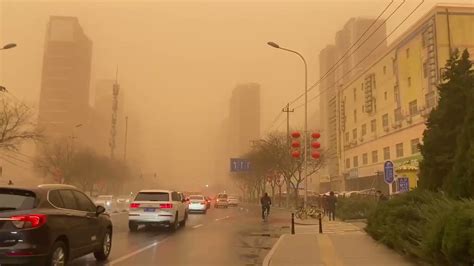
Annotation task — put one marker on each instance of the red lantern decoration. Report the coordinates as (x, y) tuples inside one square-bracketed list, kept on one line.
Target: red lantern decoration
[(316, 135), (315, 155), (296, 154), (296, 134), (295, 144), (316, 145)]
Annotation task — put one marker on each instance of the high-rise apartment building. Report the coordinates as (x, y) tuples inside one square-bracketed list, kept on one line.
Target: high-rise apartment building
[(338, 63), (64, 97), (382, 110), (244, 118)]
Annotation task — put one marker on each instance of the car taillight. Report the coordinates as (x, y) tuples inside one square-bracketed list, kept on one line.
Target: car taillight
[(166, 206), (134, 205), (28, 221)]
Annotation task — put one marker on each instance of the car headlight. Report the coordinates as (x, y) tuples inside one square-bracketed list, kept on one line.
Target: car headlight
[(108, 203)]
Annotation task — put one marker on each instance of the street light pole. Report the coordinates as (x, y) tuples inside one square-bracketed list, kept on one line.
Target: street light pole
[(305, 137)]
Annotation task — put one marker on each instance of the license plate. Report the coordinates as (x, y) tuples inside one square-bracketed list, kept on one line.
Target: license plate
[(149, 209)]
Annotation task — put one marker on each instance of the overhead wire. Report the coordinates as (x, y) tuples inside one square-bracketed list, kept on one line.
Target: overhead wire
[(367, 56), (346, 54)]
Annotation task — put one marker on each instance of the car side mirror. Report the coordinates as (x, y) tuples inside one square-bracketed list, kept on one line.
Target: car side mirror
[(99, 210)]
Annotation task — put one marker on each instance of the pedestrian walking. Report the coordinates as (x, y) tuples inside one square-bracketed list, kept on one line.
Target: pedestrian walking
[(331, 203)]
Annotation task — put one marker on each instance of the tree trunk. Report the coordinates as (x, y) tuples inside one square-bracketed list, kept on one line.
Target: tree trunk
[(279, 196)]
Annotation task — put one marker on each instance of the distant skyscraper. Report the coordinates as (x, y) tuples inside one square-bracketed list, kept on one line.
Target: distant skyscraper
[(244, 117), (64, 97)]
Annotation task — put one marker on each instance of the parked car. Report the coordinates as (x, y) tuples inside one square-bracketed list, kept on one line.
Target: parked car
[(157, 207), (51, 223), (197, 204), (221, 201), (233, 201), (107, 201), (122, 203)]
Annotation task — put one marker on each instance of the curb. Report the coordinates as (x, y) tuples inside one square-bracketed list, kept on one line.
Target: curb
[(268, 257)]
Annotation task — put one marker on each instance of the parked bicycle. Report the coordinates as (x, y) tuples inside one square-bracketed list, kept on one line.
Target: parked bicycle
[(309, 212)]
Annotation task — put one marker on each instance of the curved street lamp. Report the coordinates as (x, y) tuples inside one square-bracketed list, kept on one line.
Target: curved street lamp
[(305, 135), (8, 46)]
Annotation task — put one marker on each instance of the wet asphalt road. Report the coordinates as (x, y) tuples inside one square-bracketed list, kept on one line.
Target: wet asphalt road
[(234, 236)]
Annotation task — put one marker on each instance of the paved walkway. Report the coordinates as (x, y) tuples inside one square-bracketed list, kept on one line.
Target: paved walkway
[(340, 244)]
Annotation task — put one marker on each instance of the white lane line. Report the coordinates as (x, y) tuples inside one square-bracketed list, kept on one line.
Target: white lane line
[(136, 252), (219, 219), (197, 226)]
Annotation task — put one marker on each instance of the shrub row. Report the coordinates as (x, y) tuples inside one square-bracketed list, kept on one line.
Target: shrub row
[(355, 207), (426, 225)]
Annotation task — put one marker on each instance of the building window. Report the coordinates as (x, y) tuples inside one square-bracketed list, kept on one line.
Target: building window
[(355, 94), (425, 69), (384, 70), (385, 120), (398, 114), (373, 125), (347, 137), (348, 163), (354, 133), (386, 153), (413, 107), (355, 115), (355, 161), (364, 130), (365, 159), (408, 52), (409, 81), (414, 145), (399, 148), (396, 95), (375, 156), (385, 94), (430, 99)]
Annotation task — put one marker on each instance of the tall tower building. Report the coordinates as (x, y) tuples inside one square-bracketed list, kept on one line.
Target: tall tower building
[(244, 117), (64, 97)]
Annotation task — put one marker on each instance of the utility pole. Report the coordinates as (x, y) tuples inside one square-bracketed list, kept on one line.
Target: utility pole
[(125, 140), (288, 111)]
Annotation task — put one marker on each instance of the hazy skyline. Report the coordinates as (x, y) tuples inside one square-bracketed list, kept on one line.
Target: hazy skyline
[(179, 61)]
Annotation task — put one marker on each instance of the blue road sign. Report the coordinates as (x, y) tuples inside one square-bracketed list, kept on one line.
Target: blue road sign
[(389, 175), (403, 184), (239, 165)]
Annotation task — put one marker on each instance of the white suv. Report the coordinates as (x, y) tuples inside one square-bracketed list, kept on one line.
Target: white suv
[(157, 207)]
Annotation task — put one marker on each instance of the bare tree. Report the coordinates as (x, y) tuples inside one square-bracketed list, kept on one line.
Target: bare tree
[(16, 125), (56, 160)]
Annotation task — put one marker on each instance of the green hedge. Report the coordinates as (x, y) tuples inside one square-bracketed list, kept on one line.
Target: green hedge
[(355, 207), (426, 225)]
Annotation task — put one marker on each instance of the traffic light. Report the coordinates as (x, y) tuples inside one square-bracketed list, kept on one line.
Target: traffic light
[(296, 145), (315, 145)]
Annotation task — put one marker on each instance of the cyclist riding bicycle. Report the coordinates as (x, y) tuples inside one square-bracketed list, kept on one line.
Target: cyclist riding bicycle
[(266, 202)]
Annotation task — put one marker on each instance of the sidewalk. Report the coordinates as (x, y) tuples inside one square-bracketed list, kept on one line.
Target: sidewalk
[(340, 244)]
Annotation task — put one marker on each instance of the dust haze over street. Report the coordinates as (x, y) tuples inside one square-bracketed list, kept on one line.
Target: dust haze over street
[(160, 132)]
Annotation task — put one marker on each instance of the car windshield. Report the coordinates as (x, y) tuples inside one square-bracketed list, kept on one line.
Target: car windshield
[(13, 199), (153, 196), (222, 196)]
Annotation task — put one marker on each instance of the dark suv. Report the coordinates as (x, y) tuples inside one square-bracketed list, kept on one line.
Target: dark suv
[(51, 225)]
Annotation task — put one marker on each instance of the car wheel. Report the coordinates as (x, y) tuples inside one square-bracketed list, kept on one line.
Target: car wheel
[(133, 226), (58, 255), (175, 225), (183, 222), (104, 251)]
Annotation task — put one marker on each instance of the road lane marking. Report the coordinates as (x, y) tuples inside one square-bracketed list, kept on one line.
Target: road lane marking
[(219, 219), (197, 226), (129, 255)]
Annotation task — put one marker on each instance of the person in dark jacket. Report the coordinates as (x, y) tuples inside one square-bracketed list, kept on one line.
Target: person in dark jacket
[(266, 202), (331, 204)]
